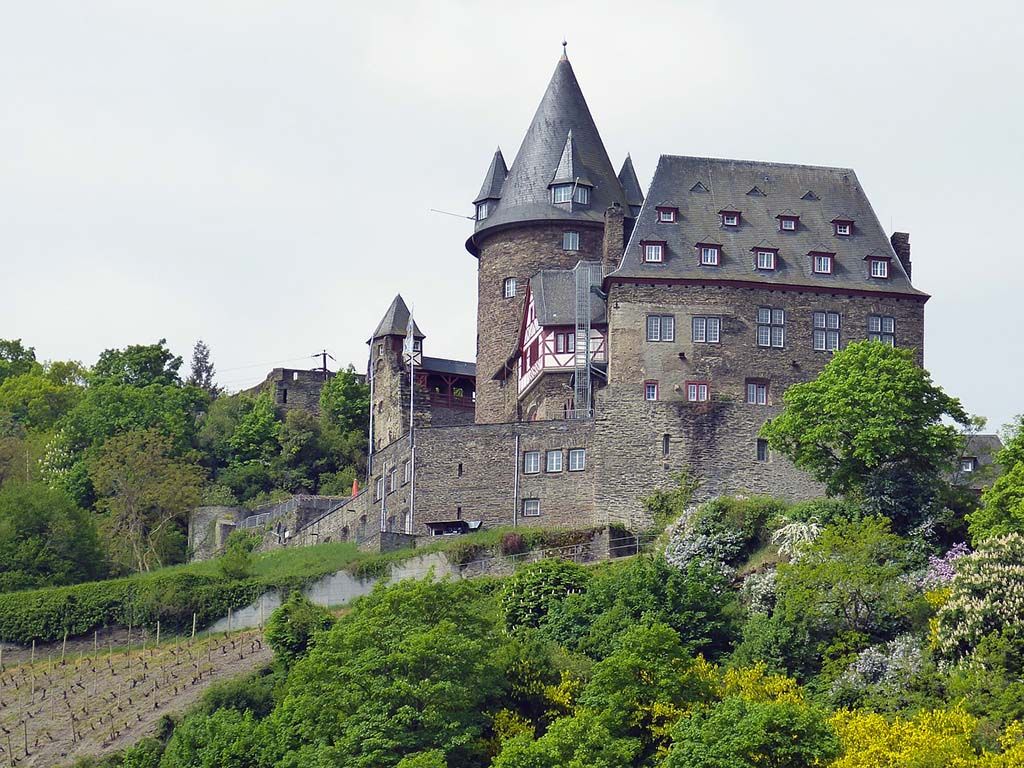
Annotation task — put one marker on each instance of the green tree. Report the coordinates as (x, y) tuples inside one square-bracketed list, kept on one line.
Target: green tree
[(736, 733), (45, 540), (201, 372), (255, 438), (407, 671), (16, 359), (579, 741), (138, 365), (847, 586), (693, 602), (1002, 507), (237, 561), (871, 423), (225, 739), (345, 401), (292, 627), (146, 493), (528, 594), (34, 400)]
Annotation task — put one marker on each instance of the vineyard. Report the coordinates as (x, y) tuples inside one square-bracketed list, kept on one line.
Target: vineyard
[(54, 711)]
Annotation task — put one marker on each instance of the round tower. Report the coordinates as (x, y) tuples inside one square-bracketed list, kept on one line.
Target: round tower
[(549, 211)]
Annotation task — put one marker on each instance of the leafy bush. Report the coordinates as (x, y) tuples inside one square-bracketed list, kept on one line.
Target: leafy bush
[(826, 511), (512, 543), (736, 733), (236, 562), (527, 596), (292, 627)]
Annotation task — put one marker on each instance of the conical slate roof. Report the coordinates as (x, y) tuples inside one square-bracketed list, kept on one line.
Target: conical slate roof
[(631, 186), (494, 180), (525, 195), (396, 321)]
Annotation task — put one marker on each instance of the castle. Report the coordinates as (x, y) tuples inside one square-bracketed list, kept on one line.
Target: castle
[(624, 338)]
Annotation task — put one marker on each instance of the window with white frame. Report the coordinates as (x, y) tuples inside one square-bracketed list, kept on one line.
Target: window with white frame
[(667, 215), (706, 330), (788, 224), (531, 507), (730, 218), (709, 255), (883, 329), (565, 342), (771, 327), (650, 390), (392, 479), (968, 464), (577, 459), (879, 268), (570, 241), (482, 210), (822, 263), (553, 461), (654, 253), (582, 195), (406, 472), (531, 462), (766, 259), (697, 391), (379, 488), (561, 193), (661, 328), (757, 392), (826, 331), (508, 288), (843, 228)]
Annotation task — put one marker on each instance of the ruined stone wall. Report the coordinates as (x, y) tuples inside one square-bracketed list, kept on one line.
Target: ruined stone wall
[(293, 389), (520, 253)]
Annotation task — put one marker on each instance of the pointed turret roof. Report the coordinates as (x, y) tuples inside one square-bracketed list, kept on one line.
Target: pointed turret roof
[(396, 321), (525, 195), (631, 186), (494, 180)]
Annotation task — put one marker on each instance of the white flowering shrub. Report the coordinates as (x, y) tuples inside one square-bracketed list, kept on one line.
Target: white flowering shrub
[(758, 591), (712, 549), (794, 536), (884, 669), (986, 595), (57, 459)]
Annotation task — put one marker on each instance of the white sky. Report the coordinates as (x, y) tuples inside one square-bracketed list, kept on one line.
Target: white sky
[(258, 174)]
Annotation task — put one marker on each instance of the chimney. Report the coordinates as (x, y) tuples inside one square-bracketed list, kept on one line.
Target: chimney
[(901, 244), (614, 231)]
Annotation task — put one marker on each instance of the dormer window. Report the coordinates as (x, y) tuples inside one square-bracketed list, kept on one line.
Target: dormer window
[(667, 215), (708, 254), (788, 222), (654, 252), (842, 227), (482, 209), (561, 193), (730, 218), (765, 257), (878, 267), (968, 464), (822, 263), (582, 195)]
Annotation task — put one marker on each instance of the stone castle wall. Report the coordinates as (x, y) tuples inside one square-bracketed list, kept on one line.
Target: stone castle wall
[(293, 389), (520, 253)]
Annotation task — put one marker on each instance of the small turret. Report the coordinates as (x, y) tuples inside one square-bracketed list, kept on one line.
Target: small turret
[(490, 190), (631, 187)]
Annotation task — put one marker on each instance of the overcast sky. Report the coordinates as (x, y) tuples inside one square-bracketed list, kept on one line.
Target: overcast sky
[(259, 174)]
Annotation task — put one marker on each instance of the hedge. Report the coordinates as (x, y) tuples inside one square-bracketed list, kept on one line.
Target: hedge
[(46, 614)]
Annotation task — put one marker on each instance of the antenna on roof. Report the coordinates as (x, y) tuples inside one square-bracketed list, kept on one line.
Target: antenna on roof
[(457, 215)]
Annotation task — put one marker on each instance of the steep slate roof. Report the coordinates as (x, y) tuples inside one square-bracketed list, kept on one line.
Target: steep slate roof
[(631, 186), (451, 367), (396, 321), (494, 180), (728, 183), (554, 297), (525, 195)]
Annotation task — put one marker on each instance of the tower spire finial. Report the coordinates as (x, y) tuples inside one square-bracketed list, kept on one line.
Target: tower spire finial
[(564, 45)]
